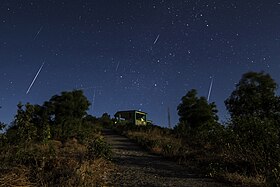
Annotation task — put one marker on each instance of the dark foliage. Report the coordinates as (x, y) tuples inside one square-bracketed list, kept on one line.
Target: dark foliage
[(254, 125), (52, 145), (195, 114), (254, 96), (98, 148), (66, 112)]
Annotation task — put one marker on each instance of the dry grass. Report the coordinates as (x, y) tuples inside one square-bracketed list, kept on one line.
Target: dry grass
[(158, 143), (204, 158), (17, 176), (95, 173), (53, 164), (244, 180)]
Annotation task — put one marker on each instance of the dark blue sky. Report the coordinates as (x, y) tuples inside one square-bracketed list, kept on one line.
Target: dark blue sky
[(134, 54)]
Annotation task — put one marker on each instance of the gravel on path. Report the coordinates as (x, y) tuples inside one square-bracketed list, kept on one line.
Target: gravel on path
[(137, 167)]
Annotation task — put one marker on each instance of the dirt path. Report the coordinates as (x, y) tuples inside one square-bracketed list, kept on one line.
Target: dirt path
[(136, 167)]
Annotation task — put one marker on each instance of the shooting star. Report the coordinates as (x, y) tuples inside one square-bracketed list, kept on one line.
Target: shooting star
[(35, 77), (117, 66), (156, 39), (93, 100), (38, 33), (210, 89)]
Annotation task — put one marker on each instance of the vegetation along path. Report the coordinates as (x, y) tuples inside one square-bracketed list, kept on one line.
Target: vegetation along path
[(136, 167)]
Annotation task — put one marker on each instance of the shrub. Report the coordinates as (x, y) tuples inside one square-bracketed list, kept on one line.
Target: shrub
[(98, 148), (256, 142), (274, 176)]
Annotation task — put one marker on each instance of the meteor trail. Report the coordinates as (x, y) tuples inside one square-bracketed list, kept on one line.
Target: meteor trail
[(118, 66), (156, 39), (210, 89), (93, 100), (35, 78), (38, 33)]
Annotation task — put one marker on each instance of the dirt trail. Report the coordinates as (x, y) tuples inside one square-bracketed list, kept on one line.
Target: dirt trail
[(136, 167)]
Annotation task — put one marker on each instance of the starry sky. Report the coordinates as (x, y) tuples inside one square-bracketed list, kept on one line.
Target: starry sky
[(134, 54)]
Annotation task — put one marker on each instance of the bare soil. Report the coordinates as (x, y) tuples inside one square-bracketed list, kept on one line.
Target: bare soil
[(136, 167)]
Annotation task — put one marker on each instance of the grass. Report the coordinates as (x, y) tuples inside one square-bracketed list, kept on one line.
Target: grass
[(52, 164), (204, 159)]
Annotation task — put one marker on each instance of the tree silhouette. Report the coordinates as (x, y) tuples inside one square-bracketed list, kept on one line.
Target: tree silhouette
[(195, 112), (66, 112), (254, 109), (25, 129), (254, 96)]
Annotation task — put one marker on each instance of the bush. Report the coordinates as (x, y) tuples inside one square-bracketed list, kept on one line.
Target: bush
[(98, 148), (51, 164), (3, 137), (274, 176), (256, 142)]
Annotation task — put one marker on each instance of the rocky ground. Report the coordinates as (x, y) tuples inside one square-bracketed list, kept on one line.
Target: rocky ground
[(136, 167)]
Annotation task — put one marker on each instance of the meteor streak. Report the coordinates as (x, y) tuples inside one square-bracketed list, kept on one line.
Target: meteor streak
[(93, 100), (156, 39), (210, 89), (38, 33), (35, 78), (117, 66)]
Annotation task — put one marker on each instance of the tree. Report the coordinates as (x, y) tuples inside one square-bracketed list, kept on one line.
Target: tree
[(66, 112), (41, 120), (2, 126), (23, 124), (195, 112), (3, 137), (106, 120), (69, 104), (254, 109), (254, 96)]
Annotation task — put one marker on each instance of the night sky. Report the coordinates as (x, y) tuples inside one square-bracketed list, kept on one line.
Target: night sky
[(134, 54)]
